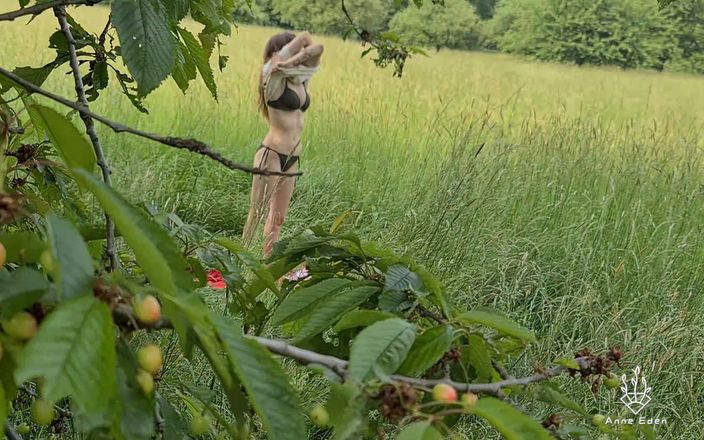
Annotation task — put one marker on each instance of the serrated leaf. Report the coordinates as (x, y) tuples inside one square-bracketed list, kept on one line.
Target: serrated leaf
[(147, 44), (200, 59), (302, 301), (185, 68), (20, 289), (498, 322), (73, 147), (347, 408), (427, 349), (153, 248), (269, 391), (361, 318), (381, 348), (74, 351), (479, 358), (74, 265), (329, 311), (399, 278), (249, 260), (422, 430), (510, 422), (570, 363)]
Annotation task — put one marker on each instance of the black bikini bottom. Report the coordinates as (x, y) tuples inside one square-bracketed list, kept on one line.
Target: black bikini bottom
[(286, 160)]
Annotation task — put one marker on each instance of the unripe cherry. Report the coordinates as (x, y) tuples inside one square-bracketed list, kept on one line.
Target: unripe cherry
[(319, 415), (145, 381), (598, 419), (22, 326), (612, 381), (150, 359), (444, 393), (3, 254), (199, 425), (147, 310), (42, 412), (47, 261), (469, 400), (23, 428)]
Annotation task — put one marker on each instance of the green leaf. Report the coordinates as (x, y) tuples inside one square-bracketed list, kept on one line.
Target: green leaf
[(427, 349), (303, 242), (419, 431), (20, 289), (174, 426), (399, 278), (381, 348), (347, 408), (302, 301), (511, 423), (568, 363), (148, 46), (479, 358), (135, 409), (549, 392), (332, 308), (22, 246), (249, 260), (74, 265), (185, 69), (269, 391), (73, 147), (200, 59), (498, 322), (361, 318), (4, 410), (153, 248), (74, 351)]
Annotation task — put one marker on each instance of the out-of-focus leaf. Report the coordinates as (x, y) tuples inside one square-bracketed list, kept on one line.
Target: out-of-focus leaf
[(498, 322), (511, 423), (20, 289), (73, 270)]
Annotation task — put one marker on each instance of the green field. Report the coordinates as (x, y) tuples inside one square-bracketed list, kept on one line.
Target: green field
[(581, 217)]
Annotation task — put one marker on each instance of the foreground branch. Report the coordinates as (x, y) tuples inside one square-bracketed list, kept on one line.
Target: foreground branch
[(192, 145), (10, 433), (123, 316), (60, 12), (41, 7)]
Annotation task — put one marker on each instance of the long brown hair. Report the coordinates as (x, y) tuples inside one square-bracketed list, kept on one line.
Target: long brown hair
[(275, 44)]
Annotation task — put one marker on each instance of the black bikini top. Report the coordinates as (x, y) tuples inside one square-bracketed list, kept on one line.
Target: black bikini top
[(289, 100)]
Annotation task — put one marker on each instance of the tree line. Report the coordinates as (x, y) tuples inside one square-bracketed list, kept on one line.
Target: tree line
[(625, 33)]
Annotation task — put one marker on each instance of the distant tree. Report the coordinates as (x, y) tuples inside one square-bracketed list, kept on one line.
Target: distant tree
[(325, 16), (484, 8), (453, 25), (254, 12), (626, 33), (688, 33)]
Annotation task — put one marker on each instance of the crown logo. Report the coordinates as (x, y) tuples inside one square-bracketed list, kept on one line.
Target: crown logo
[(636, 393)]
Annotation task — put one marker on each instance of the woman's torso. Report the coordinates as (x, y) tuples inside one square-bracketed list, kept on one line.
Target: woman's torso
[(286, 126)]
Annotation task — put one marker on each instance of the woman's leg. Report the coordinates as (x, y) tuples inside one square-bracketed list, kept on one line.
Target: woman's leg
[(278, 208), (262, 190)]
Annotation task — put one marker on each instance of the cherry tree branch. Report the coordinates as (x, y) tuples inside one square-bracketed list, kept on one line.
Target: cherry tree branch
[(11, 433), (192, 145), (41, 7), (123, 315), (60, 12)]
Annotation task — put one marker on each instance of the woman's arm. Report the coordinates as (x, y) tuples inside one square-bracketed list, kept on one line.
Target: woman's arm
[(301, 41), (309, 56)]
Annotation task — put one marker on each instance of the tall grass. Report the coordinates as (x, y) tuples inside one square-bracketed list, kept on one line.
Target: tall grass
[(570, 198)]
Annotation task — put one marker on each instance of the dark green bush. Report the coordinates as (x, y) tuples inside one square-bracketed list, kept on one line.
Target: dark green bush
[(454, 24), (626, 33)]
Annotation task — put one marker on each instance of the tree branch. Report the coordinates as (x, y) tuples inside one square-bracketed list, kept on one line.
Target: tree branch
[(10, 433), (192, 145), (41, 7), (60, 12), (123, 314)]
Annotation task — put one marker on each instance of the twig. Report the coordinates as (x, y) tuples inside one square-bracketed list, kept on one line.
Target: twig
[(503, 372), (41, 7), (60, 12), (339, 366), (16, 130), (192, 145), (422, 311), (10, 433)]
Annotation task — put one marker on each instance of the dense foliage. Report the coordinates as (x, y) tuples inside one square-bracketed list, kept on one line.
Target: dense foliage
[(626, 33)]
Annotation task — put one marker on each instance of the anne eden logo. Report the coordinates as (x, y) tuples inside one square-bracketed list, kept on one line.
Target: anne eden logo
[(636, 396)]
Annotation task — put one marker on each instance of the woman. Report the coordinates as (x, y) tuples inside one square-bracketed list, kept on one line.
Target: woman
[(289, 63)]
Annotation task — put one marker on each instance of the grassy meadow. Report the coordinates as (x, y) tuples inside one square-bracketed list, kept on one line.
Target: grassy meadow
[(570, 198)]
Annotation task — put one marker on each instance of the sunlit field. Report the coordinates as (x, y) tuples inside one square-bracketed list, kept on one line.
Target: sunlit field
[(570, 198)]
